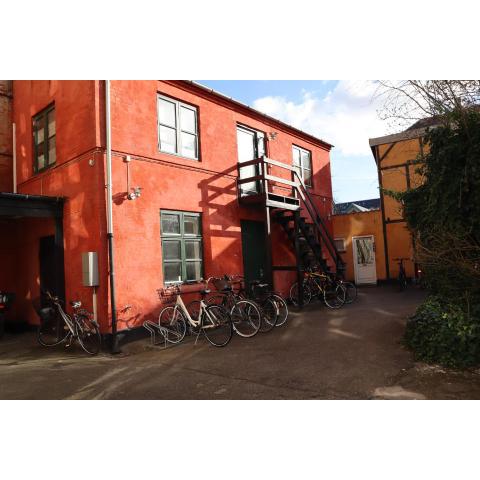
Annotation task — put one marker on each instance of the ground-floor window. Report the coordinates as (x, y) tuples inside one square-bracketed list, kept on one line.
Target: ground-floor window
[(340, 244), (181, 246)]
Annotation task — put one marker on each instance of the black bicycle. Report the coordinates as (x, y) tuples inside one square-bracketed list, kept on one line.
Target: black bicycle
[(57, 326), (273, 305), (402, 276)]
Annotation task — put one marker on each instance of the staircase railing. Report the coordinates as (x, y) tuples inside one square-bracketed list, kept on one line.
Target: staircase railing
[(297, 185), (318, 221)]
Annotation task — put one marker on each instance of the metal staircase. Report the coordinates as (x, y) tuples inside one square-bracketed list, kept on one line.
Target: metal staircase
[(295, 210)]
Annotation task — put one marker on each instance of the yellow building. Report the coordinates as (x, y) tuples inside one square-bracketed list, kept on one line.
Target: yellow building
[(372, 241), (397, 158)]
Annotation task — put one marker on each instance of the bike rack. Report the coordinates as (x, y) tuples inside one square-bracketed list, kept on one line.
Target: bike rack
[(155, 329)]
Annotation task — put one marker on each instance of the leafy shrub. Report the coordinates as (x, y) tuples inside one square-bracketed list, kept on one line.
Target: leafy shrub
[(444, 333)]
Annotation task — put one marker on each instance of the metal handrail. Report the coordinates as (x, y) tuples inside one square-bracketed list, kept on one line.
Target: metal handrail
[(299, 186)]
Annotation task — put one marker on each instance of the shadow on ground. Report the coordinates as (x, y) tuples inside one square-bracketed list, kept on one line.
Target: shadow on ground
[(351, 353)]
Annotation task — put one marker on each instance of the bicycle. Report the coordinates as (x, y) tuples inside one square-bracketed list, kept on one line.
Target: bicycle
[(350, 289), (402, 275), (271, 302), (57, 326), (247, 317), (319, 284), (214, 321)]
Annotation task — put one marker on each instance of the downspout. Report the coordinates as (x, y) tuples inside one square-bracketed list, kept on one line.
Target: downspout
[(108, 134), (14, 157)]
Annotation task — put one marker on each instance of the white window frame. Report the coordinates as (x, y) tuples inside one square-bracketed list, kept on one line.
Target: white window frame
[(301, 167), (178, 127)]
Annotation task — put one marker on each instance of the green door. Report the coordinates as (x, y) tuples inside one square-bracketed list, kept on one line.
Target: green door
[(254, 251)]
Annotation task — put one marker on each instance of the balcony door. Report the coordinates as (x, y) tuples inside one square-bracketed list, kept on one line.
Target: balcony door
[(251, 145)]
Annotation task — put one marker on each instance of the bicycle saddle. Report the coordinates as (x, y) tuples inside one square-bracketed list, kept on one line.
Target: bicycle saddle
[(205, 291), (76, 303), (256, 283)]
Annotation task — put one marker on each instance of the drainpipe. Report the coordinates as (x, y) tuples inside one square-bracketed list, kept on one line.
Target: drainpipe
[(14, 157), (108, 134)]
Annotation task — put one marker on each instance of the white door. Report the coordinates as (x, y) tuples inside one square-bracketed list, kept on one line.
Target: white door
[(364, 259), (250, 146)]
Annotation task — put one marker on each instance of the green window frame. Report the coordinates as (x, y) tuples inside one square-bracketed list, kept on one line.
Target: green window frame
[(302, 160), (44, 139), (177, 128), (182, 246)]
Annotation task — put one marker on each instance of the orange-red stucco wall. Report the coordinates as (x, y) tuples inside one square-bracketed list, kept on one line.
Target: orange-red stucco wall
[(207, 186), (78, 175), (167, 181)]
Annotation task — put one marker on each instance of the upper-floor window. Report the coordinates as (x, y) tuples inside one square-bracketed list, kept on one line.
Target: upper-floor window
[(177, 128), (302, 160), (44, 143)]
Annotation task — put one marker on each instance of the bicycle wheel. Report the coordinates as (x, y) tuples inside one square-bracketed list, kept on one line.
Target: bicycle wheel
[(175, 324), (350, 292), (52, 331), (88, 334), (217, 325), (269, 312), (334, 295), (246, 318), (307, 294), (281, 307)]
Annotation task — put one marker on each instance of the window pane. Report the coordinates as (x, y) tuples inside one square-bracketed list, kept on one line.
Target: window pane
[(189, 145), (191, 225), (170, 223), (52, 150), (307, 176), (187, 120), (168, 139), (166, 113), (306, 160), (339, 244), (194, 270), (40, 156), (296, 156), (172, 250), (173, 272), (51, 123), (40, 129), (193, 250)]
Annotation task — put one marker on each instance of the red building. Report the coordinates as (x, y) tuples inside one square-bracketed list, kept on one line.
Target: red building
[(201, 185)]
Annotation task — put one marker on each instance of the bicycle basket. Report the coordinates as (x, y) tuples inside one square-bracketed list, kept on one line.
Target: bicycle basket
[(221, 284)]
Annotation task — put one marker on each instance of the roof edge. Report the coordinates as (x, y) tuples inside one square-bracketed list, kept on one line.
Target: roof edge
[(258, 112), (396, 137)]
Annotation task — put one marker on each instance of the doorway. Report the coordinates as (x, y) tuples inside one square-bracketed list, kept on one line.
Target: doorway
[(251, 145), (47, 266), (254, 251), (364, 259)]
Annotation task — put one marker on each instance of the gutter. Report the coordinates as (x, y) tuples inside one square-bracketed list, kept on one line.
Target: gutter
[(14, 157), (311, 137), (111, 271)]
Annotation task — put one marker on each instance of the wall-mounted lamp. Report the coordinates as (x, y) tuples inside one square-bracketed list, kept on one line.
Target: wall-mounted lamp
[(137, 191), (272, 135)]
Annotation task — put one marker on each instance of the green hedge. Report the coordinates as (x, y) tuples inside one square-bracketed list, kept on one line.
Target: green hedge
[(443, 333)]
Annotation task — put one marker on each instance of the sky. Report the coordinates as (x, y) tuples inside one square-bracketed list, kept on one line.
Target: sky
[(343, 113)]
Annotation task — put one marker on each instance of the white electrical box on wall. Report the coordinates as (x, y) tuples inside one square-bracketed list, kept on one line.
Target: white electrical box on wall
[(90, 269)]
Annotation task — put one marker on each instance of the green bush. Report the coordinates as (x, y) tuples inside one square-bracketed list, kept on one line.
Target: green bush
[(444, 333)]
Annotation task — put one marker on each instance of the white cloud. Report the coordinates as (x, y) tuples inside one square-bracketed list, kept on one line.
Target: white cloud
[(346, 116)]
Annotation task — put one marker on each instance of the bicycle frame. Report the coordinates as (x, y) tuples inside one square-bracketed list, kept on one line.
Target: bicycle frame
[(203, 312), (67, 319)]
